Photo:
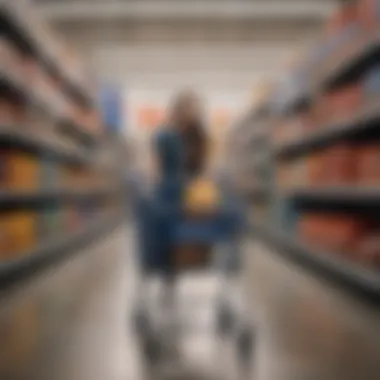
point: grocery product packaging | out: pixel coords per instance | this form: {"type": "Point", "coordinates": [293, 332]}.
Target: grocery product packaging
{"type": "Point", "coordinates": [341, 164]}
{"type": "Point", "coordinates": [369, 14]}
{"type": "Point", "coordinates": [369, 165]}
{"type": "Point", "coordinates": [19, 233]}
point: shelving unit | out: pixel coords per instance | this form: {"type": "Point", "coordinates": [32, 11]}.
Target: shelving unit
{"type": "Point", "coordinates": [61, 171]}
{"type": "Point", "coordinates": [323, 153]}
{"type": "Point", "coordinates": [54, 251]}
{"type": "Point", "coordinates": [359, 281]}
{"type": "Point", "coordinates": [364, 123]}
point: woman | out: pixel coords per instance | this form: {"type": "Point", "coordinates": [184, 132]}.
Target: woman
{"type": "Point", "coordinates": [181, 149]}
{"type": "Point", "coordinates": [181, 146]}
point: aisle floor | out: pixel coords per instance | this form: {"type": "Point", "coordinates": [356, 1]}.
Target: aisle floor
{"type": "Point", "coordinates": [305, 330]}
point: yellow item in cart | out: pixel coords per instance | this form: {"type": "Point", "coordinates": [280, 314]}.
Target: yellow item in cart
{"type": "Point", "coordinates": [202, 195]}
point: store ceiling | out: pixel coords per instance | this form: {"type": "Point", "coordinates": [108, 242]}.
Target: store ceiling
{"type": "Point", "coordinates": [69, 10]}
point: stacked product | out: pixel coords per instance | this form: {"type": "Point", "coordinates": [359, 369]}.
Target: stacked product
{"type": "Point", "coordinates": [325, 141]}
{"type": "Point", "coordinates": [43, 87]}
{"type": "Point", "coordinates": [352, 237]}
{"type": "Point", "coordinates": [333, 144]}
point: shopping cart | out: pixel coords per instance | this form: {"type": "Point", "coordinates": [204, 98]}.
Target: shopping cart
{"type": "Point", "coordinates": [203, 242]}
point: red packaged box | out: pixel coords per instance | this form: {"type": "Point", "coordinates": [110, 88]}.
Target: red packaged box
{"type": "Point", "coordinates": [341, 165]}
{"type": "Point", "coordinates": [369, 14]}
{"type": "Point", "coordinates": [316, 168]}
{"type": "Point", "coordinates": [322, 110]}
{"type": "Point", "coordinates": [343, 104]}
{"type": "Point", "coordinates": [344, 233]}
{"type": "Point", "coordinates": [368, 249]}
{"type": "Point", "coordinates": [369, 165]}
{"type": "Point", "coordinates": [346, 15]}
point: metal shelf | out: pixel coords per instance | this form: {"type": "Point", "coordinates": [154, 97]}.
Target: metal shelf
{"type": "Point", "coordinates": [23, 38]}
{"type": "Point", "coordinates": [350, 68]}
{"type": "Point", "coordinates": [344, 197]}
{"type": "Point", "coordinates": [10, 84]}
{"type": "Point", "coordinates": [17, 271]}
{"type": "Point", "coordinates": [11, 200]}
{"type": "Point", "coordinates": [364, 123]}
{"type": "Point", "coordinates": [353, 66]}
{"type": "Point", "coordinates": [356, 280]}
{"type": "Point", "coordinates": [12, 139]}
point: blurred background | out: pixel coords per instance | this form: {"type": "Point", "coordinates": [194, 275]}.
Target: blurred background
{"type": "Point", "coordinates": [291, 90]}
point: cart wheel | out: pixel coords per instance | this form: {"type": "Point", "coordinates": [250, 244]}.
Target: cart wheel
{"type": "Point", "coordinates": [245, 344]}
{"type": "Point", "coordinates": [225, 320]}
{"type": "Point", "coordinates": [152, 350]}
{"type": "Point", "coordinates": [141, 323]}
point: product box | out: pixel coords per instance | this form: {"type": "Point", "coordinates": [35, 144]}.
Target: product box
{"type": "Point", "coordinates": [340, 165]}
{"type": "Point", "coordinates": [334, 233]}
{"type": "Point", "coordinates": [19, 233]}
{"type": "Point", "coordinates": [4, 168]}
{"type": "Point", "coordinates": [316, 168]}
{"type": "Point", "coordinates": [368, 249]}
{"type": "Point", "coordinates": [344, 232]}
{"type": "Point", "coordinates": [369, 14]}
{"type": "Point", "coordinates": [342, 104]}
{"type": "Point", "coordinates": [23, 171]}
{"type": "Point", "coordinates": [7, 113]}
{"type": "Point", "coordinates": [369, 165]}
{"type": "Point", "coordinates": [347, 15]}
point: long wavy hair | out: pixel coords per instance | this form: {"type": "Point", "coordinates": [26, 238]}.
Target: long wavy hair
{"type": "Point", "coordinates": [192, 131]}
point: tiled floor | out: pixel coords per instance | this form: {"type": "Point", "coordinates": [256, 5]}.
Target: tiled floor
{"type": "Point", "coordinates": [74, 324]}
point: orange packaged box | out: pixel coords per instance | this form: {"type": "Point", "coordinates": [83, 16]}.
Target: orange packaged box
{"type": "Point", "coordinates": [23, 172]}
{"type": "Point", "coordinates": [18, 233]}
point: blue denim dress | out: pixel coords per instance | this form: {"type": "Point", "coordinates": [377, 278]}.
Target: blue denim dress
{"type": "Point", "coordinates": [159, 213]}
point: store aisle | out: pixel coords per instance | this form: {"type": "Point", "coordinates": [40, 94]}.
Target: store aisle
{"type": "Point", "coordinates": [80, 329]}
{"type": "Point", "coordinates": [81, 325]}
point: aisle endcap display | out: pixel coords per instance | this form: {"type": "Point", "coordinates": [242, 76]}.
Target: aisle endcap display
{"type": "Point", "coordinates": [356, 280]}
{"type": "Point", "coordinates": [17, 271]}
